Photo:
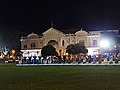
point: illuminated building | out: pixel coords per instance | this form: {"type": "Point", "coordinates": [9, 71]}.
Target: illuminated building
{"type": "Point", "coordinates": [32, 44]}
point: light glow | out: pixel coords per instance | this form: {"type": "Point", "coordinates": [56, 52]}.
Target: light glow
{"type": "Point", "coordinates": [104, 43]}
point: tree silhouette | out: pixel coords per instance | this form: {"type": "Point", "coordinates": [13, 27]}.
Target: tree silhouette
{"type": "Point", "coordinates": [48, 50]}
{"type": "Point", "coordinates": [76, 49]}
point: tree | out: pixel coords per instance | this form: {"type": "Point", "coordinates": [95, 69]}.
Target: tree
{"type": "Point", "coordinates": [48, 50]}
{"type": "Point", "coordinates": [8, 53]}
{"type": "Point", "coordinates": [80, 49]}
{"type": "Point", "coordinates": [71, 49]}
{"type": "Point", "coordinates": [5, 51]}
{"type": "Point", "coordinates": [76, 49]}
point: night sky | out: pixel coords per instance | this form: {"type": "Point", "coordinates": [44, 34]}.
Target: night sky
{"type": "Point", "coordinates": [19, 18]}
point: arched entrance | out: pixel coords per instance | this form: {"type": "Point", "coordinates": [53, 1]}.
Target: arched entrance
{"type": "Point", "coordinates": [53, 43]}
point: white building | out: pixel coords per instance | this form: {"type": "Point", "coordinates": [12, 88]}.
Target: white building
{"type": "Point", "coordinates": [32, 44]}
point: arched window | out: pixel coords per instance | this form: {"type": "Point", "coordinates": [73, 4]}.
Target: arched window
{"type": "Point", "coordinates": [82, 42]}
{"type": "Point", "coordinates": [33, 45]}
{"type": "Point", "coordinates": [95, 42]}
{"type": "Point", "coordinates": [63, 43]}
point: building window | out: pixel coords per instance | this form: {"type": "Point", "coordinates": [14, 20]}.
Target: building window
{"type": "Point", "coordinates": [82, 42]}
{"type": "Point", "coordinates": [32, 45]}
{"type": "Point", "coordinates": [95, 42]}
{"type": "Point", "coordinates": [63, 43]}
{"type": "Point", "coordinates": [24, 46]}
{"type": "Point", "coordinates": [73, 41]}
{"type": "Point", "coordinates": [68, 41]}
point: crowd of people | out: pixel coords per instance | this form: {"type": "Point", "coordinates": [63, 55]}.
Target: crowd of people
{"type": "Point", "coordinates": [83, 59]}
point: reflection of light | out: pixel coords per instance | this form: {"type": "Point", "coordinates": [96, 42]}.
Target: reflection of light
{"type": "Point", "coordinates": [104, 43]}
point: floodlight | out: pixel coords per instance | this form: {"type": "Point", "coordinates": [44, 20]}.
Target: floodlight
{"type": "Point", "coordinates": [104, 43]}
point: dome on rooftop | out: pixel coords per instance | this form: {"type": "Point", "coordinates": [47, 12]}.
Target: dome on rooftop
{"type": "Point", "coordinates": [32, 35]}
{"type": "Point", "coordinates": [81, 32]}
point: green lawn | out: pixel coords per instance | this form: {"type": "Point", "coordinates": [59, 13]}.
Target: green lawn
{"type": "Point", "coordinates": [59, 77]}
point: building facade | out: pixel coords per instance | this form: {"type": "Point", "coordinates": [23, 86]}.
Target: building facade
{"type": "Point", "coordinates": [32, 44]}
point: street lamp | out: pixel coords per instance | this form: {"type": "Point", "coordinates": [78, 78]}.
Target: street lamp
{"type": "Point", "coordinates": [13, 51]}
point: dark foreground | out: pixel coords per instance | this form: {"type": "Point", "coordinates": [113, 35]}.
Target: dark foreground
{"type": "Point", "coordinates": [59, 77]}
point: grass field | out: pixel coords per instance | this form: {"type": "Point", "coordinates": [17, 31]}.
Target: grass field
{"type": "Point", "coordinates": [59, 77]}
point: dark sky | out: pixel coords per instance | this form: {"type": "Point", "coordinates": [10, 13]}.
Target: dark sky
{"type": "Point", "coordinates": [19, 17]}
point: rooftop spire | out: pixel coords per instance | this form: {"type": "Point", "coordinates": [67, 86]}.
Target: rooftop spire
{"type": "Point", "coordinates": [51, 23]}
{"type": "Point", "coordinates": [81, 29]}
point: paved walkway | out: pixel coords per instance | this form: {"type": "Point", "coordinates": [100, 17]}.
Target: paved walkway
{"type": "Point", "coordinates": [67, 64]}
